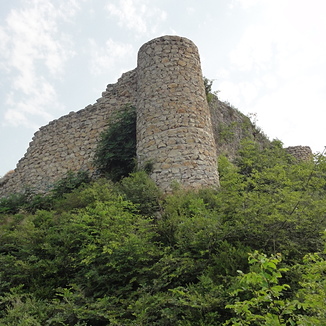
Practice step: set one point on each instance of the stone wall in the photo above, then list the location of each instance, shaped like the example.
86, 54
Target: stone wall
68, 143
230, 127
301, 153
174, 129
177, 131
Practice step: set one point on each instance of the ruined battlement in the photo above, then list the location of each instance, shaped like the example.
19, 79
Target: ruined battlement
301, 153
174, 129
178, 132
68, 143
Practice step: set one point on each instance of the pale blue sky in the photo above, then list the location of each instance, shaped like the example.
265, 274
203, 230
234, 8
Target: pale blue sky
267, 57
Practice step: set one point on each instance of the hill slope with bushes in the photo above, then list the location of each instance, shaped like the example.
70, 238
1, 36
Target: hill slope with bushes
122, 253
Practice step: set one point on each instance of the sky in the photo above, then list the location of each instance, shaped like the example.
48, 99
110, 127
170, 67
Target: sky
266, 57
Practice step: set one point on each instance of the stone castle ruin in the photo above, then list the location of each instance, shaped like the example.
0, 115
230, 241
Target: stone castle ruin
177, 130
300, 152
174, 128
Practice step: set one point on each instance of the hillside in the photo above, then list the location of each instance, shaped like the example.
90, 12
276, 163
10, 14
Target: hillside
123, 253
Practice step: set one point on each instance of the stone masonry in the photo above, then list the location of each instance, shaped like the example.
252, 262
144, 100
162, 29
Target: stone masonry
301, 153
174, 128
173, 120
177, 132
68, 144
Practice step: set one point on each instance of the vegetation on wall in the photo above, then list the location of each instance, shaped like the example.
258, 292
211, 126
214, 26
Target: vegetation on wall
116, 151
208, 83
30, 201
227, 132
250, 253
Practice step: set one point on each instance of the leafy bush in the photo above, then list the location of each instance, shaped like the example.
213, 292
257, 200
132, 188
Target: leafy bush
208, 89
261, 297
141, 190
12, 203
116, 150
84, 196
71, 181
259, 294
29, 201
123, 254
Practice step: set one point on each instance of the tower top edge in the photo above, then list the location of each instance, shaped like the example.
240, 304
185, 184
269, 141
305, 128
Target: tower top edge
168, 39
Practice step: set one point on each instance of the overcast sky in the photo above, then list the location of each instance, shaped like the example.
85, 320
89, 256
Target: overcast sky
266, 57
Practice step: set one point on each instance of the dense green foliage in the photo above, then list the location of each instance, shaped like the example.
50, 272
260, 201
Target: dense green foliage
250, 253
116, 151
30, 201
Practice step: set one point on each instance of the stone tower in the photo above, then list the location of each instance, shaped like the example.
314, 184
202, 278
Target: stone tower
174, 129
301, 153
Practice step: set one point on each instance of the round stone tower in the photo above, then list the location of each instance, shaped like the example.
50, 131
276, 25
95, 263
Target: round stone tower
301, 153
174, 129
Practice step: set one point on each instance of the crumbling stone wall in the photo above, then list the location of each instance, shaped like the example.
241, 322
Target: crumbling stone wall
301, 153
6, 178
230, 127
174, 129
68, 143
177, 131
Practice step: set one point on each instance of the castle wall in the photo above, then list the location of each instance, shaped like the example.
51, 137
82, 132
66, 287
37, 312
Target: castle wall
301, 153
68, 143
174, 130
174, 125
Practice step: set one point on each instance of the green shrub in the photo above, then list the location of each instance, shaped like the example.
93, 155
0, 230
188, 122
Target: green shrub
70, 182
141, 190
208, 89
116, 151
13, 203
262, 298
29, 201
100, 190
123, 254
21, 309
